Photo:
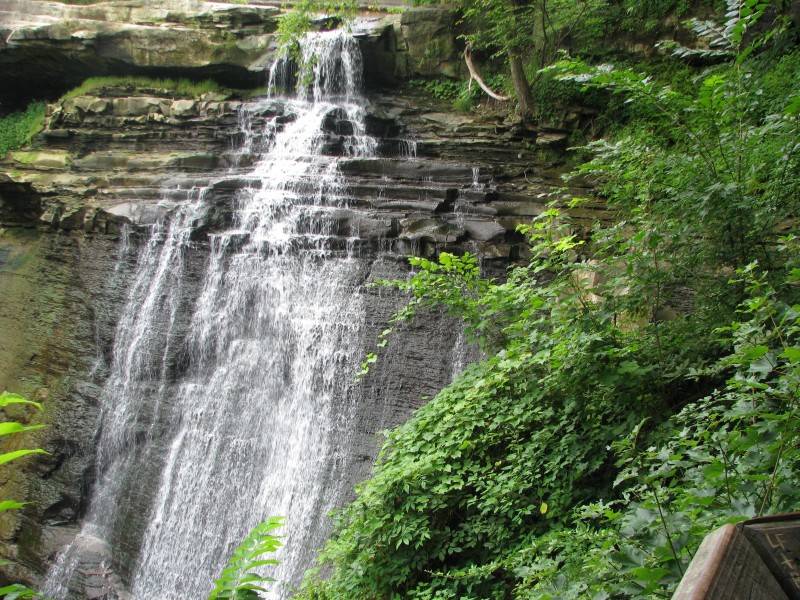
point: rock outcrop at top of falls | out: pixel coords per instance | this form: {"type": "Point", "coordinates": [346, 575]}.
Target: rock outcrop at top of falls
{"type": "Point", "coordinates": [103, 161]}
{"type": "Point", "coordinates": [76, 209]}
{"type": "Point", "coordinates": [47, 47]}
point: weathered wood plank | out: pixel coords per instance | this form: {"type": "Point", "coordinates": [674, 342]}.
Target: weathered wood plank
{"type": "Point", "coordinates": [777, 541]}
{"type": "Point", "coordinates": [727, 567]}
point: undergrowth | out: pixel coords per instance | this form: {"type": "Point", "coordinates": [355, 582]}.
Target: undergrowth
{"type": "Point", "coordinates": [461, 96]}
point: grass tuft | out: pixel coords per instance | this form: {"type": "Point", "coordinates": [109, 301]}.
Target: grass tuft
{"type": "Point", "coordinates": [177, 87]}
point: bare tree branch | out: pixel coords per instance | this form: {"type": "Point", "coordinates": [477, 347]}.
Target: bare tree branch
{"type": "Point", "coordinates": [475, 74]}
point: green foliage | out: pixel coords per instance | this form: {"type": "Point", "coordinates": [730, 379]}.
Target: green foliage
{"type": "Point", "coordinates": [462, 96]}
{"type": "Point", "coordinates": [11, 427]}
{"type": "Point", "coordinates": [294, 25]}
{"type": "Point", "coordinates": [237, 580]}
{"type": "Point", "coordinates": [641, 384]}
{"type": "Point", "coordinates": [725, 40]}
{"type": "Point", "coordinates": [298, 21]}
{"type": "Point", "coordinates": [527, 33]}
{"type": "Point", "coordinates": [534, 29]}
{"type": "Point", "coordinates": [726, 457]}
{"type": "Point", "coordinates": [306, 16]}
{"type": "Point", "coordinates": [719, 154]}
{"type": "Point", "coordinates": [487, 492]}
{"type": "Point", "coordinates": [510, 447]}
{"type": "Point", "coordinates": [185, 88]}
{"type": "Point", "coordinates": [18, 129]}
{"type": "Point", "coordinates": [553, 98]}
{"type": "Point", "coordinates": [16, 591]}
{"type": "Point", "coordinates": [637, 16]}
{"type": "Point", "coordinates": [447, 90]}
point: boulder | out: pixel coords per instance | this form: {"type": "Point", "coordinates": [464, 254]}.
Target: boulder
{"type": "Point", "coordinates": [135, 106]}
{"type": "Point", "coordinates": [90, 104]}
{"type": "Point", "coordinates": [183, 108]}
{"type": "Point", "coordinates": [429, 230]}
{"type": "Point", "coordinates": [483, 230]}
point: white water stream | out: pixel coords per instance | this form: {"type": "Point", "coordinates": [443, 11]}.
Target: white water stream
{"type": "Point", "coordinates": [274, 338]}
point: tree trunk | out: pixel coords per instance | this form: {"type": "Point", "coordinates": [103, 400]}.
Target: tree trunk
{"type": "Point", "coordinates": [522, 88]}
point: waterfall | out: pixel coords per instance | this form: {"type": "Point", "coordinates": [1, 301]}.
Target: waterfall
{"type": "Point", "coordinates": [260, 415]}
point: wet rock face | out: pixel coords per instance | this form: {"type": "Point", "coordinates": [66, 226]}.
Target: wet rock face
{"type": "Point", "coordinates": [420, 42]}
{"type": "Point", "coordinates": [61, 298]}
{"type": "Point", "coordinates": [440, 181]}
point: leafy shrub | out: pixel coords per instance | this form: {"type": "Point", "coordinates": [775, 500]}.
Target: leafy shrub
{"type": "Point", "coordinates": [637, 16]}
{"type": "Point", "coordinates": [726, 457]}
{"type": "Point", "coordinates": [18, 129]}
{"type": "Point", "coordinates": [462, 96]}
{"type": "Point", "coordinates": [296, 23]}
{"type": "Point", "coordinates": [447, 90]}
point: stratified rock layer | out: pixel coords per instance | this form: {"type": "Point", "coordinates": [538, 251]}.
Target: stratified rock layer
{"type": "Point", "coordinates": [48, 47]}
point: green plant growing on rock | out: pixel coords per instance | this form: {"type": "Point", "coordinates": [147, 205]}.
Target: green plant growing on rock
{"type": "Point", "coordinates": [237, 580]}
{"type": "Point", "coordinates": [306, 16]}
{"type": "Point", "coordinates": [299, 20]}
{"type": "Point", "coordinates": [18, 129]}
{"type": "Point", "coordinates": [177, 87]}
{"type": "Point", "coordinates": [16, 591]}
{"type": "Point", "coordinates": [462, 96]}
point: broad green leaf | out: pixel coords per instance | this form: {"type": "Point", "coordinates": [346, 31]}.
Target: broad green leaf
{"type": "Point", "coordinates": [11, 505]}
{"type": "Point", "coordinates": [7, 399]}
{"type": "Point", "coordinates": [792, 354]}
{"type": "Point", "coordinates": [9, 456]}
{"type": "Point", "coordinates": [9, 427]}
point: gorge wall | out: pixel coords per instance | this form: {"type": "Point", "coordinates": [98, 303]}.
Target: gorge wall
{"type": "Point", "coordinates": [78, 208]}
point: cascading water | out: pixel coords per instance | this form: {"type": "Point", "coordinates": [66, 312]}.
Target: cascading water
{"type": "Point", "coordinates": [257, 421]}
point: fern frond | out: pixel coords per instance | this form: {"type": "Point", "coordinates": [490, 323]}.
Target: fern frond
{"type": "Point", "coordinates": [237, 581]}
